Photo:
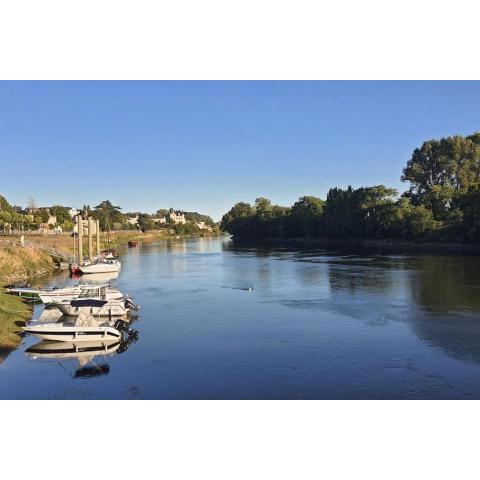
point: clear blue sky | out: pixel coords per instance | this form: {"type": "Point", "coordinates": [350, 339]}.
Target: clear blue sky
{"type": "Point", "coordinates": [205, 145]}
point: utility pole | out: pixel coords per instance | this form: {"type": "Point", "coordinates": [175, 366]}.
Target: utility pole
{"type": "Point", "coordinates": [90, 239]}
{"type": "Point", "coordinates": [80, 238]}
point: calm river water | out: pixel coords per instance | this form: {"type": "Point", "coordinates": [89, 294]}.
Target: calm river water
{"type": "Point", "coordinates": [221, 322]}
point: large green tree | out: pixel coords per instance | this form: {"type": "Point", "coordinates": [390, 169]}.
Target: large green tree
{"type": "Point", "coordinates": [441, 170]}
{"type": "Point", "coordinates": [61, 213]}
{"type": "Point", "coordinates": [307, 214]}
{"type": "Point", "coordinates": [108, 214]}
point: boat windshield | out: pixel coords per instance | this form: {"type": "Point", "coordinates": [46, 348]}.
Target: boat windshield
{"type": "Point", "coordinates": [99, 293]}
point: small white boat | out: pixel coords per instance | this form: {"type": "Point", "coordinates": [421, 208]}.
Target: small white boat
{"type": "Point", "coordinates": [76, 291]}
{"type": "Point", "coordinates": [107, 266]}
{"type": "Point", "coordinates": [23, 291]}
{"type": "Point", "coordinates": [85, 328]}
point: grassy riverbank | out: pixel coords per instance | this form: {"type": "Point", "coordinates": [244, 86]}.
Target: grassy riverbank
{"type": "Point", "coordinates": [17, 264]}
{"type": "Point", "coordinates": [14, 312]}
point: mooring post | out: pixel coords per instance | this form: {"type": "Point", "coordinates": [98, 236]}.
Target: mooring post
{"type": "Point", "coordinates": [98, 238]}
{"type": "Point", "coordinates": [90, 239]}
{"type": "Point", "coordinates": [80, 239]}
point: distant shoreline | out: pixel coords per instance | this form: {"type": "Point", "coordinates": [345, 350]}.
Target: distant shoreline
{"type": "Point", "coordinates": [390, 245]}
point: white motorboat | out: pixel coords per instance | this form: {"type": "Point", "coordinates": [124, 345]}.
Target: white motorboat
{"type": "Point", "coordinates": [85, 328]}
{"type": "Point", "coordinates": [96, 302]}
{"type": "Point", "coordinates": [75, 291]}
{"type": "Point", "coordinates": [106, 266]}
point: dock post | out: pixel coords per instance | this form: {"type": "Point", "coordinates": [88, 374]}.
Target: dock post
{"type": "Point", "coordinates": [90, 239]}
{"type": "Point", "coordinates": [80, 239]}
{"type": "Point", "coordinates": [98, 238]}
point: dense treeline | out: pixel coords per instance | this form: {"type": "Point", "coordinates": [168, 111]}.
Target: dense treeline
{"type": "Point", "coordinates": [442, 203]}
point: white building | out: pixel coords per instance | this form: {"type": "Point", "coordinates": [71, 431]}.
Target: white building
{"type": "Point", "coordinates": [132, 220]}
{"type": "Point", "coordinates": [177, 217]}
{"type": "Point", "coordinates": [204, 226]}
{"type": "Point", "coordinates": [160, 221]}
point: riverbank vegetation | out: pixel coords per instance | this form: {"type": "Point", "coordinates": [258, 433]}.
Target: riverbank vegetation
{"type": "Point", "coordinates": [20, 263]}
{"type": "Point", "coordinates": [442, 203]}
{"type": "Point", "coordinates": [14, 312]}
{"type": "Point", "coordinates": [16, 263]}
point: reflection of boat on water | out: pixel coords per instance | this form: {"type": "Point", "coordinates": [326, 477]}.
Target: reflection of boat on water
{"type": "Point", "coordinates": [64, 350]}
{"type": "Point", "coordinates": [83, 352]}
{"type": "Point", "coordinates": [102, 277]}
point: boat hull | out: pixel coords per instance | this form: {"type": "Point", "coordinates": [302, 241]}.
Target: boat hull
{"type": "Point", "coordinates": [101, 268]}
{"type": "Point", "coordinates": [116, 309]}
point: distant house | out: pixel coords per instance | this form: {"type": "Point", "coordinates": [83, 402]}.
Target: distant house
{"type": "Point", "coordinates": [52, 220]}
{"type": "Point", "coordinates": [34, 210]}
{"type": "Point", "coordinates": [204, 226]}
{"type": "Point", "coordinates": [177, 217]}
{"type": "Point", "coordinates": [45, 228]}
{"type": "Point", "coordinates": [160, 221]}
{"type": "Point", "coordinates": [132, 220]}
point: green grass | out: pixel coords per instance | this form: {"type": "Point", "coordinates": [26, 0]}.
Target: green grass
{"type": "Point", "coordinates": [16, 263]}
{"type": "Point", "coordinates": [14, 312]}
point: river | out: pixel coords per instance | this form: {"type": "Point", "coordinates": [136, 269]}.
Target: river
{"type": "Point", "coordinates": [224, 322]}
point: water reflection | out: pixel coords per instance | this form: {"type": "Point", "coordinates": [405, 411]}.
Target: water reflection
{"type": "Point", "coordinates": [438, 297]}
{"type": "Point", "coordinates": [84, 353]}
{"type": "Point", "coordinates": [446, 284]}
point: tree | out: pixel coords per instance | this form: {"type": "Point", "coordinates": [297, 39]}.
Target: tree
{"type": "Point", "coordinates": [107, 214]}
{"type": "Point", "coordinates": [31, 203]}
{"type": "Point", "coordinates": [145, 222]}
{"type": "Point", "coordinates": [194, 217]}
{"type": "Point", "coordinates": [469, 205]}
{"type": "Point", "coordinates": [307, 215]}
{"type": "Point", "coordinates": [186, 229]}
{"type": "Point", "coordinates": [61, 213]}
{"type": "Point", "coordinates": [343, 217]}
{"type": "Point", "coordinates": [235, 217]}
{"type": "Point", "coordinates": [162, 212]}
{"type": "Point", "coordinates": [442, 169]}
{"type": "Point", "coordinates": [411, 221]}
{"type": "Point", "coordinates": [263, 206]}
{"type": "Point", "coordinates": [44, 215]}
{"type": "Point", "coordinates": [4, 205]}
